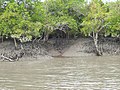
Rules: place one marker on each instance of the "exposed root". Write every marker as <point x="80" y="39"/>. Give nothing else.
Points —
<point x="6" y="58"/>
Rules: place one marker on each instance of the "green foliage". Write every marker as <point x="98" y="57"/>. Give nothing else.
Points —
<point x="28" y="19"/>
<point x="68" y="20"/>
<point x="37" y="11"/>
<point x="114" y="19"/>
<point x="95" y="21"/>
<point x="64" y="12"/>
<point x="16" y="22"/>
<point x="55" y="7"/>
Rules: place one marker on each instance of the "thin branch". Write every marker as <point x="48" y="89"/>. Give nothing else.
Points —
<point x="90" y="35"/>
<point x="103" y="27"/>
<point x="11" y="60"/>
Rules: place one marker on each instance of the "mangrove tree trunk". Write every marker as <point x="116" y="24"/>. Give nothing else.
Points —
<point x="95" y="38"/>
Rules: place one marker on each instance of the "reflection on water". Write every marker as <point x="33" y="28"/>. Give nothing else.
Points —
<point x="84" y="73"/>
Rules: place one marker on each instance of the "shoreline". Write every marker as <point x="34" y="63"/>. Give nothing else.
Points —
<point x="58" y="48"/>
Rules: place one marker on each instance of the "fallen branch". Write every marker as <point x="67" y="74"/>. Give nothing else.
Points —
<point x="4" y="57"/>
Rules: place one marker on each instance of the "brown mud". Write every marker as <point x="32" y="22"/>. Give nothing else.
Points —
<point x="57" y="48"/>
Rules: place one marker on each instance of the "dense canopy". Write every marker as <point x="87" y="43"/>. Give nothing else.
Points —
<point x="25" y="20"/>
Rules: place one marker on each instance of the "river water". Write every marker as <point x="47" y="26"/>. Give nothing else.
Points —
<point x="83" y="73"/>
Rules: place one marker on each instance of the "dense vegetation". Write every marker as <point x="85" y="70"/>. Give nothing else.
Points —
<point x="26" y="20"/>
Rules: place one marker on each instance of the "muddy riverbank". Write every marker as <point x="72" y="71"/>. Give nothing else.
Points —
<point x="53" y="48"/>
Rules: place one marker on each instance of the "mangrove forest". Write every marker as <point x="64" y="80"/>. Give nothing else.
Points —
<point x="30" y="20"/>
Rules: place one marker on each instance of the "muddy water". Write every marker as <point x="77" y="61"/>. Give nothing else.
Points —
<point x="84" y="73"/>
